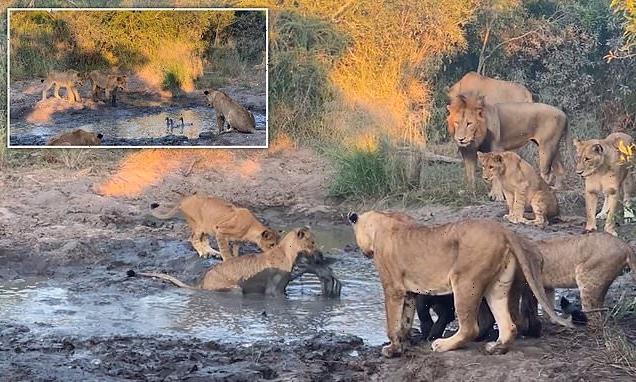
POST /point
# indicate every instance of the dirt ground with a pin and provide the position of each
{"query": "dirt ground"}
(53, 224)
(142, 108)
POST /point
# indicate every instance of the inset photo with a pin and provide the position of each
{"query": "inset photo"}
(137, 78)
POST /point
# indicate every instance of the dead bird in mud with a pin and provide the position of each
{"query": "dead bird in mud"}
(267, 273)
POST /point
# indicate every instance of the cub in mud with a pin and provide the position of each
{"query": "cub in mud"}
(599, 162)
(76, 137)
(268, 272)
(110, 83)
(522, 187)
(69, 79)
(480, 127)
(228, 110)
(472, 259)
(207, 215)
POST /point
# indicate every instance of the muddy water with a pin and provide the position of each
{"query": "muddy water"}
(128, 306)
(128, 123)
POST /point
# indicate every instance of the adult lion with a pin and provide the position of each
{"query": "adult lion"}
(478, 126)
(77, 137)
(471, 259)
(267, 273)
(598, 162)
(522, 187)
(230, 111)
(207, 215)
(494, 91)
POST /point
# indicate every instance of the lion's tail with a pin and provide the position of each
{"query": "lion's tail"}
(164, 216)
(166, 277)
(533, 275)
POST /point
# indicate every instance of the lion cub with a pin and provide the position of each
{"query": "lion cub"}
(236, 272)
(522, 187)
(68, 79)
(598, 161)
(207, 215)
(228, 110)
(77, 137)
(109, 83)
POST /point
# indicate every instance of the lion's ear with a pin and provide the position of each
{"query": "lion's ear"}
(480, 155)
(576, 142)
(302, 233)
(206, 92)
(268, 234)
(352, 217)
(497, 158)
(598, 148)
(448, 107)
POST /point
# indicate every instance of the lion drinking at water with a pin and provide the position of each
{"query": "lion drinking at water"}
(471, 259)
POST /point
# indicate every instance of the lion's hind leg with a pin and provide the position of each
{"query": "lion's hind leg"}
(497, 296)
(467, 294)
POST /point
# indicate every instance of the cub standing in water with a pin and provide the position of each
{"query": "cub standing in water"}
(599, 162)
(228, 110)
(522, 187)
(207, 215)
(110, 83)
(68, 79)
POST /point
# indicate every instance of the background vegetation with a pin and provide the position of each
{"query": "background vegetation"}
(364, 81)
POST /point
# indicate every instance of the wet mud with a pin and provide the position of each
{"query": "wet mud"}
(138, 119)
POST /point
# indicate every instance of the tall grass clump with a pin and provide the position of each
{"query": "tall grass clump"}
(303, 50)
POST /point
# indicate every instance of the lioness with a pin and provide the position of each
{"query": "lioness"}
(494, 91)
(478, 126)
(110, 83)
(68, 79)
(471, 259)
(77, 137)
(228, 110)
(522, 187)
(235, 272)
(598, 162)
(207, 215)
(589, 262)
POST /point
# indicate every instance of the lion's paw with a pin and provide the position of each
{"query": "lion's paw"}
(495, 347)
(390, 351)
(441, 345)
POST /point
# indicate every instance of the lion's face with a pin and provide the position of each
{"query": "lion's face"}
(269, 238)
(304, 242)
(492, 165)
(466, 121)
(370, 224)
(122, 83)
(590, 155)
(210, 95)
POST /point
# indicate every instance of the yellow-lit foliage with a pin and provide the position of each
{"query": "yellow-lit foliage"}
(391, 39)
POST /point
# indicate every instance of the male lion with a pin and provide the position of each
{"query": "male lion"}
(598, 162)
(471, 259)
(110, 83)
(522, 187)
(207, 215)
(494, 91)
(270, 270)
(478, 126)
(68, 79)
(77, 137)
(228, 110)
